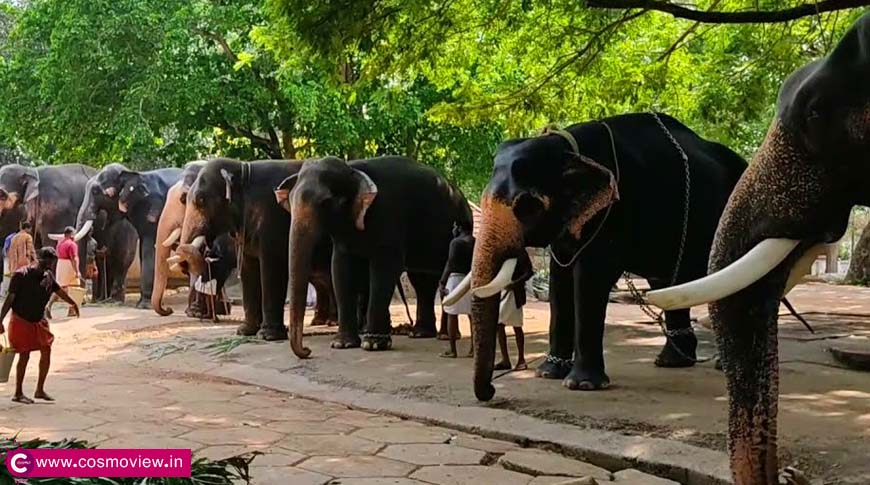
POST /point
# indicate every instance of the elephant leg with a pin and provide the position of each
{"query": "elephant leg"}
(384, 271)
(348, 276)
(426, 287)
(118, 281)
(251, 297)
(273, 276)
(680, 341)
(146, 279)
(324, 311)
(591, 294)
(559, 359)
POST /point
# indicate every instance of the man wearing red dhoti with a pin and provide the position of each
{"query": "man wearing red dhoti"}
(29, 292)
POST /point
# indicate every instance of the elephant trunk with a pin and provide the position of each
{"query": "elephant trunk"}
(764, 205)
(500, 239)
(170, 223)
(193, 230)
(303, 238)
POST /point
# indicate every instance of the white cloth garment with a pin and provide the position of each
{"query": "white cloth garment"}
(463, 306)
(66, 273)
(508, 313)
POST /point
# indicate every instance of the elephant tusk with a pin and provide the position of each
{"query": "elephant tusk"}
(500, 282)
(729, 280)
(122, 206)
(173, 237)
(803, 267)
(458, 292)
(198, 242)
(56, 237)
(175, 268)
(172, 260)
(86, 228)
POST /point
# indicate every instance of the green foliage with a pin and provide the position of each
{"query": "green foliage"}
(203, 471)
(155, 83)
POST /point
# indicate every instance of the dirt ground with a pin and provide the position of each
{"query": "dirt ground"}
(824, 408)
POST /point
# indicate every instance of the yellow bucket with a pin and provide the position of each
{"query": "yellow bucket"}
(77, 294)
(7, 356)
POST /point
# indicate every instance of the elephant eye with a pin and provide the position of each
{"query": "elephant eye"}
(132, 189)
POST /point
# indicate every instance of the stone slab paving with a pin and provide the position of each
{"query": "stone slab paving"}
(300, 441)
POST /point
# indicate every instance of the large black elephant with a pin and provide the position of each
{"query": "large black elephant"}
(48, 196)
(811, 169)
(607, 196)
(238, 198)
(137, 196)
(385, 216)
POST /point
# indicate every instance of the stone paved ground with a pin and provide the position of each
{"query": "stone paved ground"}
(107, 363)
(108, 401)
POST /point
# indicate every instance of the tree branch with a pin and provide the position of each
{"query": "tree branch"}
(224, 45)
(740, 17)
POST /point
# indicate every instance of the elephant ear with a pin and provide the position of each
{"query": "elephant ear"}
(365, 198)
(30, 182)
(590, 187)
(282, 191)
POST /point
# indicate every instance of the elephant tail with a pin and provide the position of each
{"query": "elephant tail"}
(405, 301)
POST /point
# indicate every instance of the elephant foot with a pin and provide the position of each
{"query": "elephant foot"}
(332, 323)
(679, 351)
(402, 329)
(376, 342)
(586, 380)
(247, 329)
(318, 322)
(793, 476)
(554, 368)
(144, 304)
(272, 333)
(423, 331)
(341, 341)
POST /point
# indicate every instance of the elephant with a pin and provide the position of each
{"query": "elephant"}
(607, 197)
(115, 239)
(385, 216)
(48, 196)
(169, 231)
(139, 197)
(809, 172)
(236, 197)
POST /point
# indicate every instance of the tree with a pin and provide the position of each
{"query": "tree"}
(525, 64)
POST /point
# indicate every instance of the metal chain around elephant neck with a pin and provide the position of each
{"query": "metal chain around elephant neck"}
(573, 142)
(658, 316)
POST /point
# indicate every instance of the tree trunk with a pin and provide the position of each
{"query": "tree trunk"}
(832, 258)
(859, 268)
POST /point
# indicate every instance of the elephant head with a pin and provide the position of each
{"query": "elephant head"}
(169, 232)
(810, 170)
(542, 190)
(18, 186)
(213, 206)
(133, 192)
(101, 194)
(326, 196)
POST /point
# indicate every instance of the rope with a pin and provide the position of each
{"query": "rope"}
(598, 228)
